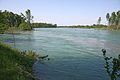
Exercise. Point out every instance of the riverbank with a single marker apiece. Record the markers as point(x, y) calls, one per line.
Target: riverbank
point(97, 27)
point(114, 28)
point(14, 30)
point(103, 28)
point(15, 64)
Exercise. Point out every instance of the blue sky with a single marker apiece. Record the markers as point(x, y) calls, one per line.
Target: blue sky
point(63, 12)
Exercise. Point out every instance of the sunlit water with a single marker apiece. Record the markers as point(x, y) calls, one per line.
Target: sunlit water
point(75, 54)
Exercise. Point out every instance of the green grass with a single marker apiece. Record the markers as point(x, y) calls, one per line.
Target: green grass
point(14, 64)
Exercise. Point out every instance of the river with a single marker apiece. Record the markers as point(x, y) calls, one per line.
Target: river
point(75, 54)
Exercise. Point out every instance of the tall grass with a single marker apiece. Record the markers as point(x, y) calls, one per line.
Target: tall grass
point(14, 64)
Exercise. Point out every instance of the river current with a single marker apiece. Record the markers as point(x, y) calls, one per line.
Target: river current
point(75, 54)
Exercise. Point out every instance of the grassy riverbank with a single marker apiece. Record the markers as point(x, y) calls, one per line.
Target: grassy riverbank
point(14, 64)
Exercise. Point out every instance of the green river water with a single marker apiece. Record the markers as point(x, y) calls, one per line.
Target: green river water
point(75, 54)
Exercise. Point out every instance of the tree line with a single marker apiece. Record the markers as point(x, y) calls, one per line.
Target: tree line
point(43, 25)
point(84, 26)
point(113, 19)
point(10, 20)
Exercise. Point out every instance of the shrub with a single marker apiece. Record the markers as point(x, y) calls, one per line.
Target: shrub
point(3, 28)
point(112, 66)
point(25, 26)
point(14, 65)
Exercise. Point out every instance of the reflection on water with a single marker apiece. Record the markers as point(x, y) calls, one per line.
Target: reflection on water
point(75, 53)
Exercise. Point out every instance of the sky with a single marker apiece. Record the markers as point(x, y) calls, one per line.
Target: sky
point(64, 12)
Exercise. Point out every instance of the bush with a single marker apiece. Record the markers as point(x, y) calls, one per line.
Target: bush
point(112, 66)
point(25, 26)
point(3, 28)
point(14, 65)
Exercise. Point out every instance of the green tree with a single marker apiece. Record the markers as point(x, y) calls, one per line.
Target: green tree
point(118, 18)
point(99, 20)
point(6, 18)
point(113, 20)
point(11, 19)
point(29, 17)
point(113, 17)
point(1, 17)
point(23, 18)
point(108, 17)
point(3, 28)
point(18, 20)
point(25, 26)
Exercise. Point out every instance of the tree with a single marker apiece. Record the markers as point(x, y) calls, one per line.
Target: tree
point(11, 19)
point(29, 17)
point(99, 20)
point(108, 17)
point(113, 17)
point(1, 17)
point(118, 18)
point(114, 20)
point(3, 28)
point(25, 26)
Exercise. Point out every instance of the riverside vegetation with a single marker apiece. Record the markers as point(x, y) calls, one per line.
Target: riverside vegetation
point(9, 20)
point(112, 66)
point(113, 23)
point(25, 22)
point(15, 64)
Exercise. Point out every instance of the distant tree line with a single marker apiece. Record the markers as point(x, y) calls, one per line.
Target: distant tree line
point(43, 25)
point(84, 26)
point(10, 20)
point(113, 22)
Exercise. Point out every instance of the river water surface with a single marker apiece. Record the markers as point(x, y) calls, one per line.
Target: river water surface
point(75, 54)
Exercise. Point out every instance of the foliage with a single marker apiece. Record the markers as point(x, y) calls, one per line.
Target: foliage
point(25, 26)
point(84, 26)
point(9, 19)
point(113, 19)
point(3, 28)
point(31, 54)
point(17, 65)
point(22, 22)
point(112, 66)
point(99, 20)
point(43, 25)
point(28, 17)
point(14, 64)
